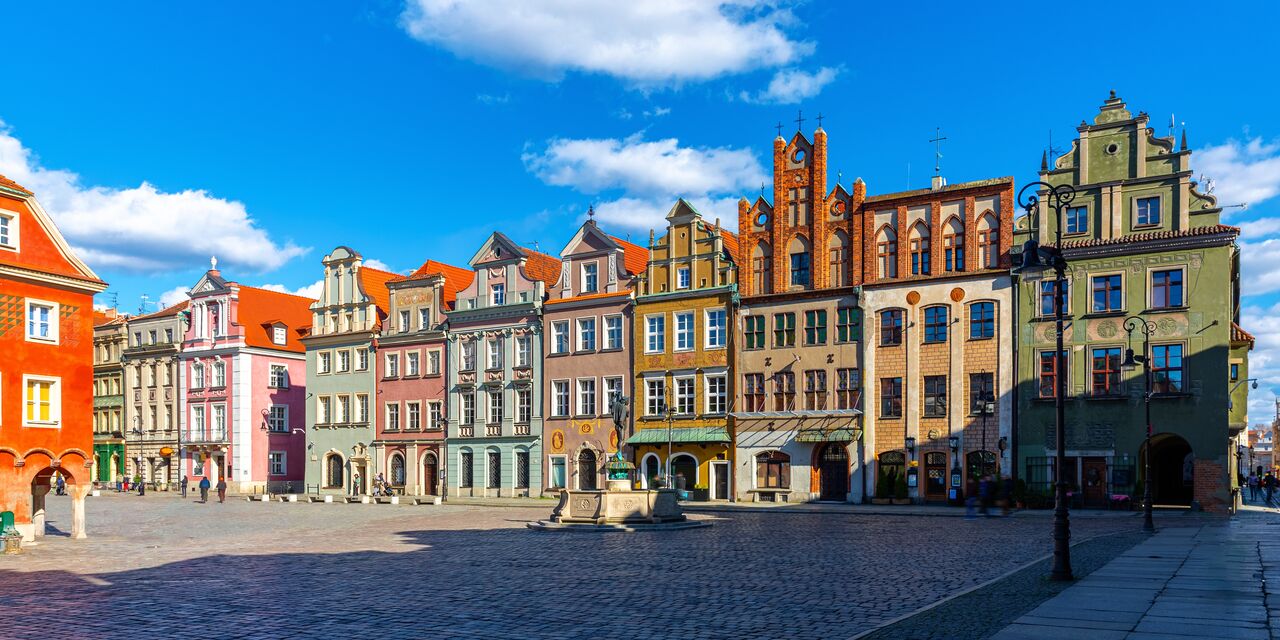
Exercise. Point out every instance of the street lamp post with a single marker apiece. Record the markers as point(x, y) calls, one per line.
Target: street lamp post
point(1036, 259)
point(1130, 363)
point(142, 481)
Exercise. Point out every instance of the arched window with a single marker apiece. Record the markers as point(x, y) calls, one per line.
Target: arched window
point(773, 470)
point(887, 253)
point(982, 320)
point(919, 241)
point(652, 471)
point(988, 241)
point(333, 471)
point(800, 261)
point(893, 465)
point(762, 269)
point(838, 250)
point(953, 245)
point(397, 470)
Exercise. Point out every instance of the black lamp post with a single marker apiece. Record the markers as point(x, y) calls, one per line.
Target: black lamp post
point(1130, 363)
point(1035, 259)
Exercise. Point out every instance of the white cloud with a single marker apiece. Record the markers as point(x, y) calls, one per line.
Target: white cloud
point(312, 290)
point(173, 296)
point(649, 175)
point(650, 43)
point(143, 229)
point(1260, 266)
point(1246, 172)
point(374, 263)
point(1260, 228)
point(790, 86)
point(492, 99)
point(657, 112)
point(1264, 360)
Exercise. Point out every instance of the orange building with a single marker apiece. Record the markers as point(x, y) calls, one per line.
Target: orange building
point(46, 371)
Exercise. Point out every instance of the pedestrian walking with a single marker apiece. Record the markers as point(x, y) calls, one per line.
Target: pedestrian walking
point(142, 489)
point(204, 489)
point(62, 485)
point(222, 490)
point(984, 496)
point(1253, 487)
point(183, 484)
point(1269, 486)
point(1006, 485)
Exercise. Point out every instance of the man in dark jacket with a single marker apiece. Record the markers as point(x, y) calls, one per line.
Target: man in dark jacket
point(204, 489)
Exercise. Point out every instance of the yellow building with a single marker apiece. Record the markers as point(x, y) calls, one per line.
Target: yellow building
point(683, 343)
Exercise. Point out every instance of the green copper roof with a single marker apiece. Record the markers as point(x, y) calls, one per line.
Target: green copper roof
point(695, 435)
point(834, 435)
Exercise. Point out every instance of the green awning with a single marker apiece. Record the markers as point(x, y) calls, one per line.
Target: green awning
point(694, 435)
point(834, 435)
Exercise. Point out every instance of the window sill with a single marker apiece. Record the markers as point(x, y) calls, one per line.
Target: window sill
point(557, 354)
point(1166, 309)
point(897, 417)
point(1173, 395)
point(979, 338)
point(1107, 397)
point(610, 350)
point(889, 344)
point(583, 352)
point(53, 424)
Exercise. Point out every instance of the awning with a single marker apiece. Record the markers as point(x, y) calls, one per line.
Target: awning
point(834, 435)
point(686, 435)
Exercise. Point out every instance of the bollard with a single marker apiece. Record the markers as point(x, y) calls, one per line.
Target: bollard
point(437, 501)
point(328, 498)
point(97, 493)
point(265, 497)
point(395, 499)
point(9, 533)
point(293, 497)
point(365, 500)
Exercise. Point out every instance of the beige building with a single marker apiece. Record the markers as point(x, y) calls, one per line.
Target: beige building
point(109, 419)
point(151, 392)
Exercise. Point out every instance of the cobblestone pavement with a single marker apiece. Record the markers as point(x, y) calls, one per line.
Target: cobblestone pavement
point(161, 566)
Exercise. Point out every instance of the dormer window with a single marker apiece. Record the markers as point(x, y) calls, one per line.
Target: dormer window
point(8, 230)
point(404, 321)
point(590, 278)
point(424, 318)
point(278, 335)
point(682, 278)
point(498, 294)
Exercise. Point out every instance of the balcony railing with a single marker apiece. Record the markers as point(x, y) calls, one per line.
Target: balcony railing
point(216, 435)
point(493, 430)
point(522, 429)
point(466, 431)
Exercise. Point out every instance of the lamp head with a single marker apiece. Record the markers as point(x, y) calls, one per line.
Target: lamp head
point(1130, 363)
point(1031, 262)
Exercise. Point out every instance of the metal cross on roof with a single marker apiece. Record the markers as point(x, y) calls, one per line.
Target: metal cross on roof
point(937, 153)
point(819, 119)
point(591, 212)
point(779, 129)
point(799, 120)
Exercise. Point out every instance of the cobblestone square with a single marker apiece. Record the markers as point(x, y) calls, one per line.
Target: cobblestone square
point(162, 566)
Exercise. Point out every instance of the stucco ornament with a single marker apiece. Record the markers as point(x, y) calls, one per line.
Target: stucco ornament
point(1167, 326)
point(1107, 329)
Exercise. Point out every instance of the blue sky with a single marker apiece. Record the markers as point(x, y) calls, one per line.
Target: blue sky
point(268, 133)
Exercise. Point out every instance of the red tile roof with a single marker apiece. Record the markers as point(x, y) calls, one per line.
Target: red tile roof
point(730, 241)
point(1152, 235)
point(167, 311)
point(260, 308)
point(634, 257)
point(541, 266)
point(589, 296)
point(1238, 334)
point(374, 284)
point(455, 278)
point(101, 318)
point(5, 182)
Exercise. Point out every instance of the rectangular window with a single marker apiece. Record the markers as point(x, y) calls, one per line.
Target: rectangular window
point(935, 396)
point(682, 278)
point(753, 333)
point(981, 391)
point(589, 278)
point(466, 468)
point(800, 269)
point(498, 294)
point(684, 330)
point(919, 248)
point(586, 396)
point(1235, 372)
point(494, 350)
point(524, 351)
point(393, 416)
point(424, 318)
point(404, 322)
point(716, 338)
point(815, 327)
point(560, 398)
point(324, 405)
point(468, 355)
point(612, 390)
point(1049, 374)
point(524, 404)
point(560, 336)
point(982, 320)
point(435, 415)
point(655, 397)
point(362, 359)
point(1166, 289)
point(1107, 293)
point(343, 405)
point(277, 418)
point(468, 407)
point(847, 383)
point(935, 324)
point(494, 466)
point(586, 334)
point(275, 462)
point(846, 319)
point(393, 366)
point(43, 399)
point(717, 394)
point(613, 332)
point(411, 363)
point(815, 389)
point(322, 362)
point(219, 375)
point(522, 469)
point(433, 362)
point(8, 231)
point(413, 416)
point(1048, 300)
point(655, 328)
point(279, 377)
point(42, 321)
point(362, 408)
point(1166, 368)
point(1106, 371)
point(1148, 212)
point(784, 329)
point(784, 391)
point(753, 391)
point(495, 406)
point(1077, 220)
point(684, 396)
point(557, 473)
point(890, 397)
point(890, 327)
point(219, 426)
point(197, 425)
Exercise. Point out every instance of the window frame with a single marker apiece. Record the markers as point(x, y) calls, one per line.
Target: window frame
point(753, 332)
point(655, 333)
point(1065, 354)
point(892, 336)
point(54, 419)
point(935, 398)
point(1114, 385)
point(1181, 369)
point(1136, 205)
point(1040, 298)
point(14, 242)
point(715, 334)
point(582, 397)
point(890, 398)
point(688, 335)
point(715, 404)
point(587, 327)
point(815, 327)
point(1109, 291)
point(933, 326)
point(1182, 287)
point(558, 393)
point(1067, 218)
point(53, 321)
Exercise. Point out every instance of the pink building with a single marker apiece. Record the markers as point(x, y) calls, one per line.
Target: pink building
point(243, 386)
point(411, 366)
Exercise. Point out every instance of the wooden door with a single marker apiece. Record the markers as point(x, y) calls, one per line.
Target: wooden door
point(1094, 479)
point(834, 472)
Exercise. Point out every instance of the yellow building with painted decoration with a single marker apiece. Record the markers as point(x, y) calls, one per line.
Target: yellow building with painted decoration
point(682, 358)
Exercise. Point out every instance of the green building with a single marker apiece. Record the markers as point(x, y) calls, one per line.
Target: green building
point(1139, 241)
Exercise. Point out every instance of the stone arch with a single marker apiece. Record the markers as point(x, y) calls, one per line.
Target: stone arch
point(886, 252)
point(918, 239)
point(839, 257)
point(988, 240)
point(799, 261)
point(953, 244)
point(762, 267)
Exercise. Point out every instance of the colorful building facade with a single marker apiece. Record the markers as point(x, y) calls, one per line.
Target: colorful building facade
point(242, 375)
point(46, 375)
point(1140, 242)
point(411, 370)
point(495, 361)
point(587, 323)
point(341, 376)
point(110, 422)
point(152, 394)
point(681, 363)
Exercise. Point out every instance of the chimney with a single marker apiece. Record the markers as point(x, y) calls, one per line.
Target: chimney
point(937, 183)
